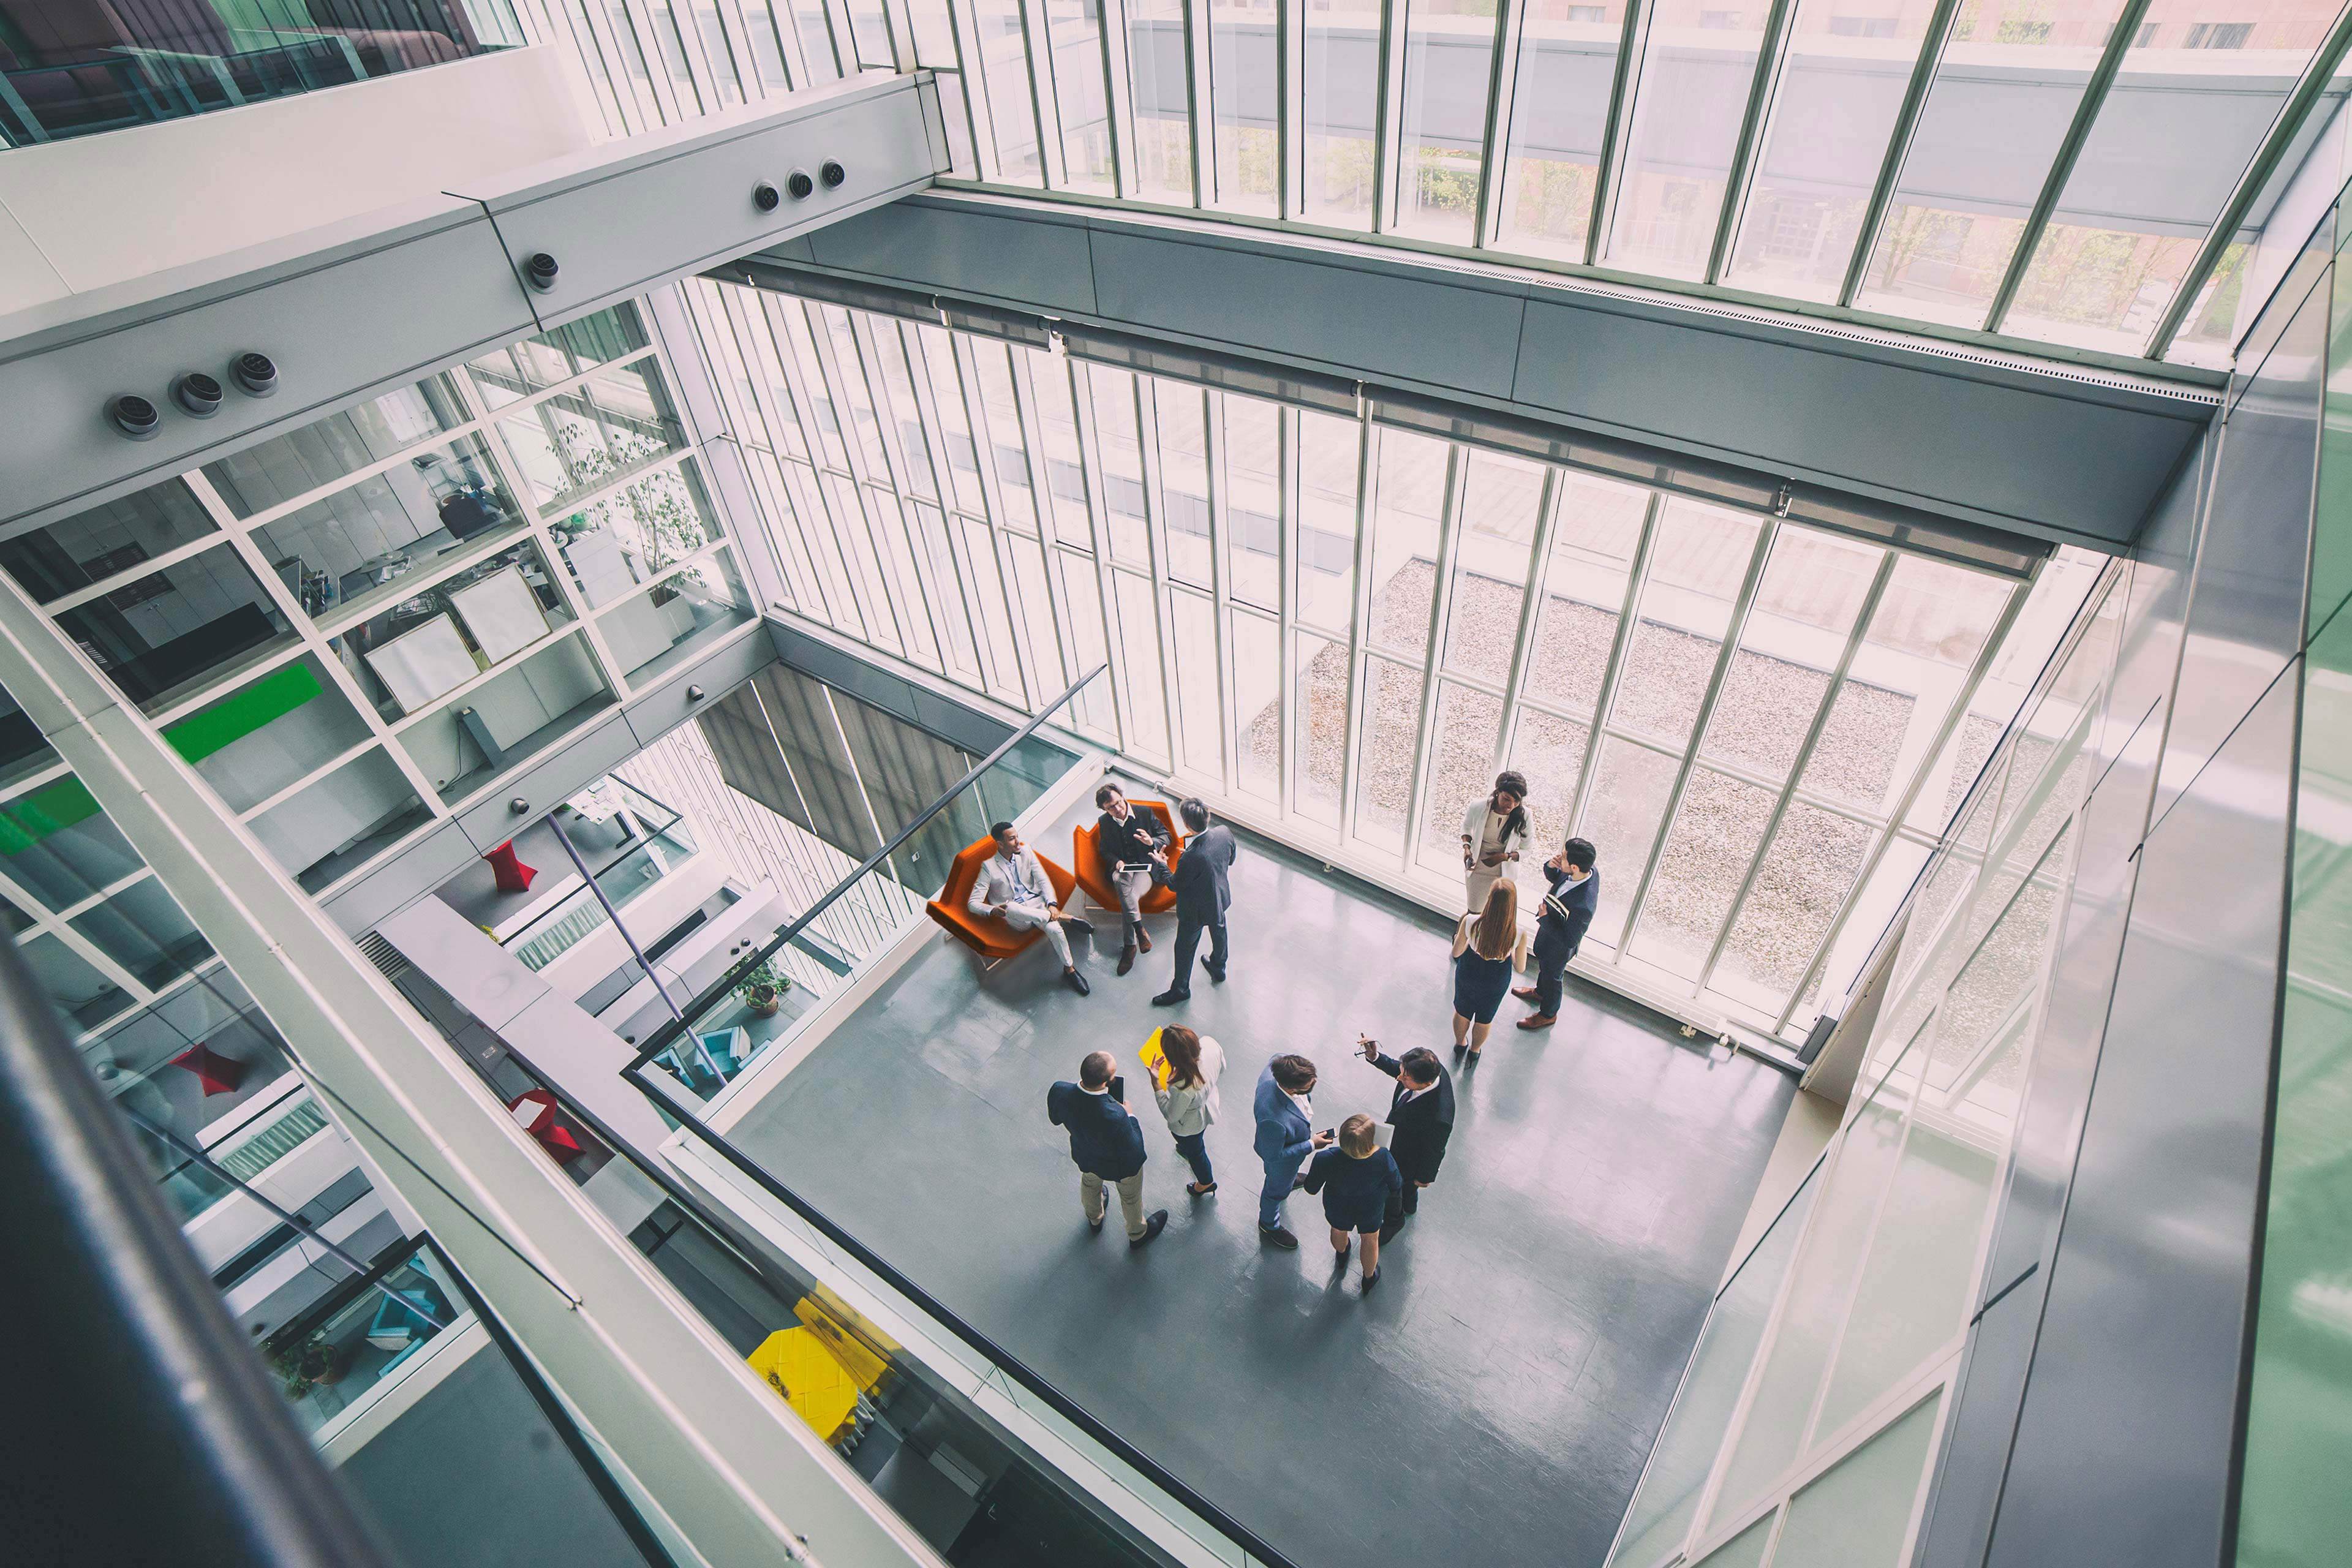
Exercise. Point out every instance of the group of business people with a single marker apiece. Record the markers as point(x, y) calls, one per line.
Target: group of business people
point(1370, 1181)
point(1489, 945)
point(1012, 886)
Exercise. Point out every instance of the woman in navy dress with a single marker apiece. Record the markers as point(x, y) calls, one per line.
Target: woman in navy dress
point(1356, 1176)
point(1486, 947)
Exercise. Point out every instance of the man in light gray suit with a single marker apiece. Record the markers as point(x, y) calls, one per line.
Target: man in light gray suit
point(1012, 886)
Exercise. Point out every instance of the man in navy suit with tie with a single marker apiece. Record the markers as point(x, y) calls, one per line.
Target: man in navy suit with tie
point(1568, 908)
point(1285, 1137)
point(1107, 1146)
point(1202, 893)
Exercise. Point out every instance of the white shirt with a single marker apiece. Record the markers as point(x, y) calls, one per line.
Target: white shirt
point(1306, 1106)
point(1412, 1094)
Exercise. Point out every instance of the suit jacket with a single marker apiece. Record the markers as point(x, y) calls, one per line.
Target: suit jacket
point(1567, 910)
point(1422, 1125)
point(1202, 889)
point(1105, 1138)
point(1284, 1134)
point(1125, 845)
point(993, 885)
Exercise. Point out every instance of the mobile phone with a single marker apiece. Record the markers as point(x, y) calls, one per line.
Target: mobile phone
point(1118, 1087)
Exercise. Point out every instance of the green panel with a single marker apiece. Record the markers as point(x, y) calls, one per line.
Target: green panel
point(264, 703)
point(27, 822)
point(2297, 1510)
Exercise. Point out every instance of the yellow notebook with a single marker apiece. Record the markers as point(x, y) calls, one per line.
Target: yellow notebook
point(1154, 1059)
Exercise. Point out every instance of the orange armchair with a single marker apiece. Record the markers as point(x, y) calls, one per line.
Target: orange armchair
point(992, 939)
point(1094, 875)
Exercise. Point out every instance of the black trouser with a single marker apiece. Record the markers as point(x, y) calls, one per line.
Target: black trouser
point(1551, 975)
point(1403, 1201)
point(1188, 942)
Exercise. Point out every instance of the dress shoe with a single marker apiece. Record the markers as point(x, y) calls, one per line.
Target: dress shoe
point(1126, 959)
point(1389, 1232)
point(1216, 975)
point(1524, 992)
point(1200, 1191)
point(1339, 1258)
point(1152, 1229)
point(1170, 998)
point(1076, 982)
point(1459, 1047)
point(1540, 1021)
point(1078, 927)
point(1275, 1236)
point(1094, 1224)
point(1142, 939)
point(1368, 1280)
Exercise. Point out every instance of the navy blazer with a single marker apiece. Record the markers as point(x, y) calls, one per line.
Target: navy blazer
point(1283, 1135)
point(1423, 1126)
point(1106, 1140)
point(1567, 912)
point(1203, 888)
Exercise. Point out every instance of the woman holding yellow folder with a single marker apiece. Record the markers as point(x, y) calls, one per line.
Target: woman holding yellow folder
point(1185, 1068)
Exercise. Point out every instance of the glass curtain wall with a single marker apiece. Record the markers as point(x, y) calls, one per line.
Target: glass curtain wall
point(1815, 1399)
point(352, 629)
point(2047, 175)
point(1340, 631)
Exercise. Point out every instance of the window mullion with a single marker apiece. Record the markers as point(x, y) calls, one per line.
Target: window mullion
point(1286, 650)
point(1804, 756)
point(1502, 89)
point(1220, 532)
point(992, 500)
point(1943, 732)
point(1037, 33)
point(1082, 410)
point(1449, 547)
point(1387, 117)
point(1368, 474)
point(1615, 130)
point(1531, 610)
point(927, 415)
point(1041, 487)
point(1196, 80)
point(963, 20)
point(1635, 580)
point(1899, 146)
point(1738, 624)
point(2062, 166)
point(1119, 80)
point(1290, 75)
point(1771, 56)
point(1147, 430)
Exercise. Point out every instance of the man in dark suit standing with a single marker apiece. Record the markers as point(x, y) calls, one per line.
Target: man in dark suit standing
point(1107, 1146)
point(1422, 1112)
point(1203, 888)
point(1567, 909)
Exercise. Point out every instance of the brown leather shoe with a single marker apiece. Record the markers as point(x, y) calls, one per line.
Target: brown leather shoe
point(1142, 939)
point(1540, 1021)
point(1524, 992)
point(1126, 959)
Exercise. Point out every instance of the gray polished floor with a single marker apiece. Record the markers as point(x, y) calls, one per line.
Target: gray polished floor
point(1491, 1403)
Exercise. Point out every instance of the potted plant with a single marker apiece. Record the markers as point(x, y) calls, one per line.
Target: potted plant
point(762, 989)
point(306, 1363)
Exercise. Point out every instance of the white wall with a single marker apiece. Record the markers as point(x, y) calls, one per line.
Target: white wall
point(80, 214)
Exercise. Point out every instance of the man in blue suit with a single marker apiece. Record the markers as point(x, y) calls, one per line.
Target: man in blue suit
point(1285, 1137)
point(1567, 909)
point(1107, 1146)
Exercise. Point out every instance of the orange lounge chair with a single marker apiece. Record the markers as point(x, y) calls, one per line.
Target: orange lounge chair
point(992, 939)
point(1095, 877)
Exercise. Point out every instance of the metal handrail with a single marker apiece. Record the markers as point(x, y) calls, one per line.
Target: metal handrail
point(126, 1363)
point(1005, 1361)
point(668, 1034)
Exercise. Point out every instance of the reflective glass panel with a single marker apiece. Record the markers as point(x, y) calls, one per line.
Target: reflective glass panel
point(1585, 587)
point(1696, 565)
point(1560, 110)
point(1842, 88)
point(535, 364)
point(1330, 455)
point(72, 553)
point(1627, 803)
point(1257, 703)
point(1461, 769)
point(1391, 723)
point(295, 464)
point(2005, 92)
point(1079, 93)
point(1341, 88)
point(1697, 72)
point(1795, 634)
point(1164, 104)
point(1253, 501)
point(1449, 58)
point(614, 543)
point(578, 440)
point(164, 635)
point(1320, 708)
point(1408, 502)
point(1243, 90)
point(1501, 500)
point(1717, 830)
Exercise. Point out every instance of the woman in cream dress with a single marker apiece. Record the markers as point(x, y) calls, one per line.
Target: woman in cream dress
point(1494, 831)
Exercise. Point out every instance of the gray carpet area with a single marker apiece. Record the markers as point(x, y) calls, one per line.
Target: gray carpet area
point(1491, 1403)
